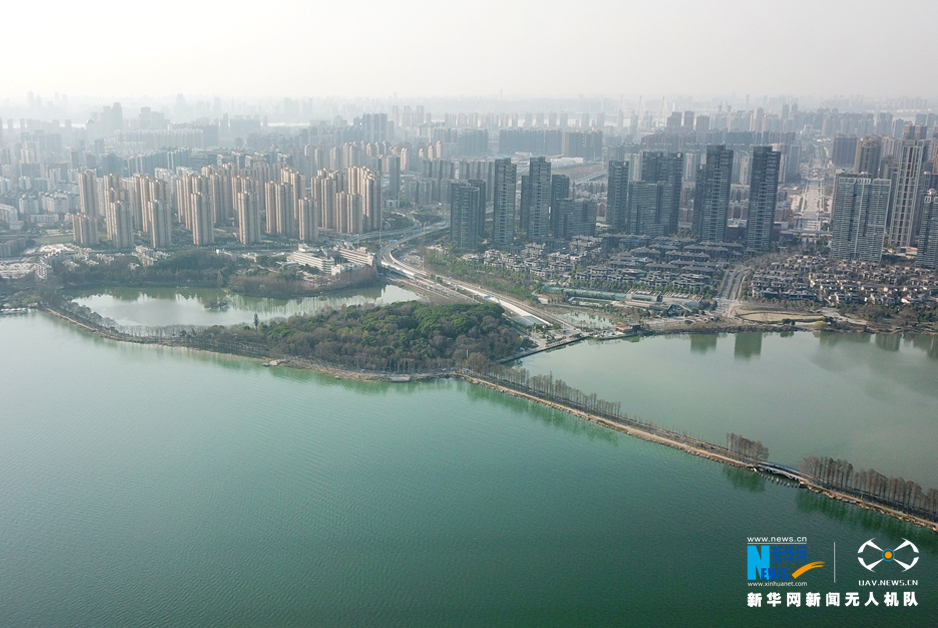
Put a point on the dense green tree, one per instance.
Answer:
(402, 337)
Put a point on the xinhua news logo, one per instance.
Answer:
(876, 555)
(778, 562)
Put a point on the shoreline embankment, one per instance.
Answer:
(279, 361)
(652, 434)
(699, 448)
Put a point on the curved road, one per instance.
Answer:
(461, 289)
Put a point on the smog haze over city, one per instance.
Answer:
(411, 314)
(119, 49)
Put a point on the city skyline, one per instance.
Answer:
(357, 49)
(490, 314)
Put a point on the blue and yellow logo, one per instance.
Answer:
(778, 562)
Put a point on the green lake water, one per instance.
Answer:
(154, 307)
(872, 400)
(155, 486)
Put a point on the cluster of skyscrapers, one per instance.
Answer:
(651, 205)
(253, 200)
(648, 204)
(884, 198)
(716, 175)
(546, 207)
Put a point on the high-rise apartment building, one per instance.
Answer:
(668, 169)
(84, 229)
(159, 217)
(644, 209)
(791, 162)
(203, 229)
(186, 186)
(220, 192)
(763, 195)
(538, 200)
(467, 213)
(308, 220)
(258, 173)
(586, 145)
(869, 152)
(271, 218)
(712, 195)
(281, 209)
(481, 170)
(575, 218)
(483, 191)
(366, 183)
(503, 202)
(674, 121)
(688, 120)
(617, 194)
(119, 219)
(559, 190)
(928, 240)
(524, 206)
(144, 191)
(394, 177)
(249, 218)
(88, 193)
(349, 213)
(844, 150)
(927, 182)
(325, 186)
(297, 190)
(141, 195)
(119, 215)
(905, 194)
(859, 217)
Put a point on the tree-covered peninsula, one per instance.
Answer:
(263, 277)
(403, 337)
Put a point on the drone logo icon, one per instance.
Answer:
(888, 555)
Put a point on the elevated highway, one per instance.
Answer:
(459, 289)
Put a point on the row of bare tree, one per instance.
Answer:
(901, 493)
(746, 448)
(867, 483)
(556, 389)
(547, 387)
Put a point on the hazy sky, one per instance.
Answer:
(415, 48)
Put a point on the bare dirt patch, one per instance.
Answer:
(777, 316)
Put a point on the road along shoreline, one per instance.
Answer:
(652, 434)
(698, 448)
